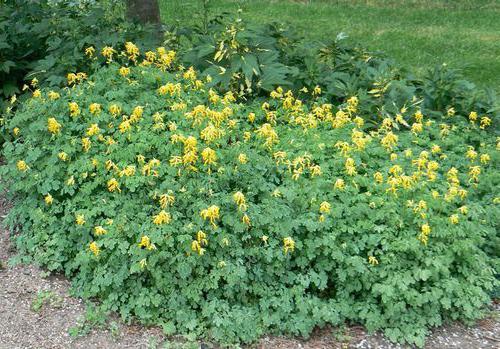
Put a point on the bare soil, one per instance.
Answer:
(37, 311)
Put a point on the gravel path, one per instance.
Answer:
(37, 311)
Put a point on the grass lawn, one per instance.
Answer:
(418, 34)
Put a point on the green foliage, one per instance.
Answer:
(45, 40)
(252, 60)
(44, 298)
(241, 58)
(95, 317)
(176, 206)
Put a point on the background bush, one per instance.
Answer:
(174, 204)
(251, 60)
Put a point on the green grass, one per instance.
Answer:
(418, 34)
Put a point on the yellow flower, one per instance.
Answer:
(325, 207)
(146, 243)
(485, 121)
(137, 114)
(132, 50)
(74, 109)
(419, 116)
(246, 219)
(124, 126)
(485, 158)
(21, 165)
(113, 185)
(424, 235)
(240, 200)
(72, 78)
(94, 248)
(417, 127)
(167, 199)
(48, 199)
(95, 108)
(432, 165)
(473, 116)
(251, 117)
(37, 94)
(389, 140)
(53, 126)
(471, 153)
(86, 144)
(379, 178)
(209, 156)
(108, 52)
(53, 95)
(195, 247)
(435, 149)
(89, 51)
(70, 181)
(454, 219)
(339, 184)
(127, 171)
(80, 219)
(115, 110)
(93, 130)
(162, 218)
(211, 213)
(426, 229)
(372, 260)
(99, 230)
(463, 210)
(276, 193)
(124, 71)
(189, 74)
(242, 158)
(288, 244)
(350, 167)
(474, 172)
(315, 170)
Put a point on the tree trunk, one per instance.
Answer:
(144, 11)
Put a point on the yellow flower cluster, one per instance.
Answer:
(288, 245)
(53, 126)
(146, 243)
(197, 245)
(162, 218)
(212, 213)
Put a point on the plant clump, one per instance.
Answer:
(173, 203)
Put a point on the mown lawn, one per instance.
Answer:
(418, 34)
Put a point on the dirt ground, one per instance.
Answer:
(37, 311)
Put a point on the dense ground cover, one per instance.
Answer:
(279, 185)
(417, 34)
(229, 220)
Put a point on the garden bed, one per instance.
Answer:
(50, 325)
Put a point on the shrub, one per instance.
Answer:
(173, 204)
(252, 60)
(44, 40)
(239, 57)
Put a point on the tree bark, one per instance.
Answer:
(144, 11)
